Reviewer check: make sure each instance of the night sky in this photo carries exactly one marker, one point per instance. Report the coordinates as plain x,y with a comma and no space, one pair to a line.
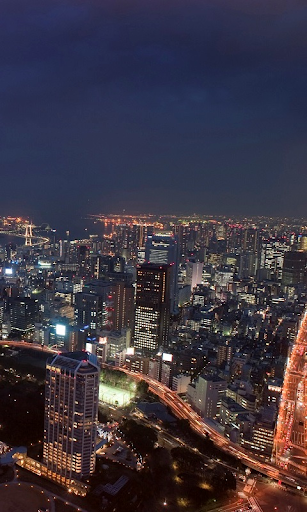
153,105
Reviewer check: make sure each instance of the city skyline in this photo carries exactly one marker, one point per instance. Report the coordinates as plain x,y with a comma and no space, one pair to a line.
205,310
132,105
153,255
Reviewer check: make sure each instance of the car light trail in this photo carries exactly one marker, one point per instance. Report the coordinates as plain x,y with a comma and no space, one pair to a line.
290,444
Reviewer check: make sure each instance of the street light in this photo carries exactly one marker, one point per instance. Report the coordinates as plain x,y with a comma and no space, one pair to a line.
165,502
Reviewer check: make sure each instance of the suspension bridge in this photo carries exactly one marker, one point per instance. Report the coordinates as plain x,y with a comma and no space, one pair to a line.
31,239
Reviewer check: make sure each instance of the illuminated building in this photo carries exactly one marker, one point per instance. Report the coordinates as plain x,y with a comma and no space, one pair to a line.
90,310
180,383
71,409
263,437
163,248
194,273
117,341
294,268
248,264
209,390
23,313
290,444
152,315
302,241
272,256
122,299
83,255
250,242
224,352
139,364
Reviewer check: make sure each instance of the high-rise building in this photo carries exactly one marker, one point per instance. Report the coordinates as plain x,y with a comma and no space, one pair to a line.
71,412
302,243
290,443
122,299
272,256
163,248
209,390
294,268
152,314
250,242
23,313
194,273
247,265
90,310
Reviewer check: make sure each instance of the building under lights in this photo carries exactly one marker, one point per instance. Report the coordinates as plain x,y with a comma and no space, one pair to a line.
163,248
290,443
152,314
71,413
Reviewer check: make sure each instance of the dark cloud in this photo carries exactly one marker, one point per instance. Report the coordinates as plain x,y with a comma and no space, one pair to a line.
172,106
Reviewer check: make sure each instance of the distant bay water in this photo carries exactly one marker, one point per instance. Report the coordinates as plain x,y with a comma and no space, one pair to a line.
11,239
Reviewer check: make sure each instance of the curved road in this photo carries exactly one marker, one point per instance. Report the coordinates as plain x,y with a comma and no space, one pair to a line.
183,410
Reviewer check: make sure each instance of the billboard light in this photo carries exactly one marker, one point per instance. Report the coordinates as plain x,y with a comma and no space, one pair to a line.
60,329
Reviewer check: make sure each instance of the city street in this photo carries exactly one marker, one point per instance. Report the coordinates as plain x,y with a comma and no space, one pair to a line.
272,497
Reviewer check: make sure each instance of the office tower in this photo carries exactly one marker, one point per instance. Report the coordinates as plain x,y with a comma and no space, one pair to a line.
90,310
294,268
179,233
122,305
207,395
163,248
23,313
152,314
117,341
64,250
194,273
71,412
272,256
83,257
302,243
247,265
290,443
224,352
263,437
10,251
250,242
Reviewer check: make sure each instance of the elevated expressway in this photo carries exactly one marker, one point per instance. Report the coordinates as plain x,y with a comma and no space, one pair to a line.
183,410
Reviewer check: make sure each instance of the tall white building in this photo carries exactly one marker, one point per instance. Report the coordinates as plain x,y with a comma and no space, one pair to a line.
194,273
272,256
209,390
71,414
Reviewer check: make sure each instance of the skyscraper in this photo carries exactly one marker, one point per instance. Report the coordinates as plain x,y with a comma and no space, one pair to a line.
71,411
90,309
163,248
152,314
194,271
294,268
290,445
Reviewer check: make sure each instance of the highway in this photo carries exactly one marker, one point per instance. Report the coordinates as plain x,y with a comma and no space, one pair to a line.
28,344
183,410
